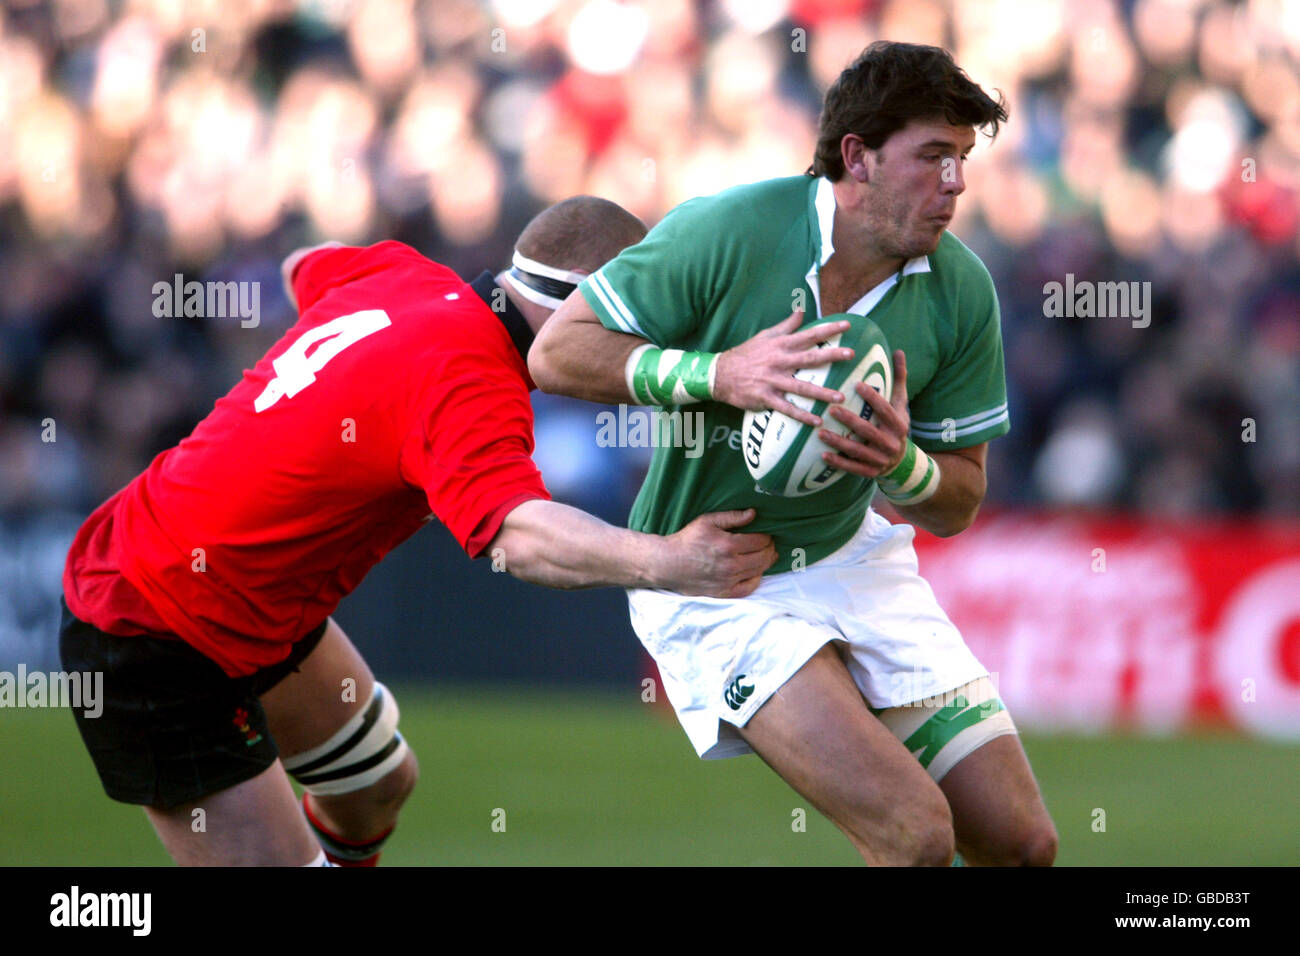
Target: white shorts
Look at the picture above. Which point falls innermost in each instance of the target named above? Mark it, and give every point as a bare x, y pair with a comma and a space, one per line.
720, 660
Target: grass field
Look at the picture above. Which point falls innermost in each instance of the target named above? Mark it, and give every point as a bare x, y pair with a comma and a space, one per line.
585, 778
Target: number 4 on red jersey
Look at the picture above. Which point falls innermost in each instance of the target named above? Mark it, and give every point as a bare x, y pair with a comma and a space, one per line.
295, 369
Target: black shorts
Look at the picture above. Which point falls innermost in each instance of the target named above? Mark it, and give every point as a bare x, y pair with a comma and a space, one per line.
175, 727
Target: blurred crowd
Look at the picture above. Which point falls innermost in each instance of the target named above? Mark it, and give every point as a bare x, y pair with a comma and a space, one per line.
1150, 141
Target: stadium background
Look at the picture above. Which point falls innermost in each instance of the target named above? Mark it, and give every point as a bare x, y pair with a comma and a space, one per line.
1156, 141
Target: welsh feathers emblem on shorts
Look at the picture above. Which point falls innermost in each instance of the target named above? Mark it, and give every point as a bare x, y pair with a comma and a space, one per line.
737, 692
241, 723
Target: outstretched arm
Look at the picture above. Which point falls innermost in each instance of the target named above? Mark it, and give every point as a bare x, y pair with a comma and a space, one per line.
548, 543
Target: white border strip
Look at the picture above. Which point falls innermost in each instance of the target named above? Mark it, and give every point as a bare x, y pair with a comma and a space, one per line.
617, 308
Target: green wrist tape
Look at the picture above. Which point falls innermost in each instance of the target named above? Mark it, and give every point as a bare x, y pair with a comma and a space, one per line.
914, 480
658, 376
904, 467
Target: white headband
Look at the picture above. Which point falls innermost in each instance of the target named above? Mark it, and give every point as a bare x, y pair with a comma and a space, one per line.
550, 272
532, 295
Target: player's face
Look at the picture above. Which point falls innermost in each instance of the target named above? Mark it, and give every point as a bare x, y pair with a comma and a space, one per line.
914, 184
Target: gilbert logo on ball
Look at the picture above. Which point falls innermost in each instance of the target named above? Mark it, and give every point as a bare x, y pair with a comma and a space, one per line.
785, 456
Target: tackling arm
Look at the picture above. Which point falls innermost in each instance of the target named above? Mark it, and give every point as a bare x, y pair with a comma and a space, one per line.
548, 543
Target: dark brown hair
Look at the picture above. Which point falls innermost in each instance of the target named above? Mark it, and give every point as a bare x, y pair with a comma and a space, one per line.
890, 84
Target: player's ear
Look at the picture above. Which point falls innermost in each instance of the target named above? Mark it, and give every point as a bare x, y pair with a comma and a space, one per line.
856, 157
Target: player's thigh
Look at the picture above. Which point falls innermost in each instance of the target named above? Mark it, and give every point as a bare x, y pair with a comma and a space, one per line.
998, 811
311, 704
818, 734
254, 823
337, 732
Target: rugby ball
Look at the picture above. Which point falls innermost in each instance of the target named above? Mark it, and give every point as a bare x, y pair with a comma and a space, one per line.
785, 456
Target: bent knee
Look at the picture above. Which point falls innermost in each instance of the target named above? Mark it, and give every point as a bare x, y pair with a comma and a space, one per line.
933, 842
919, 836
1039, 846
394, 787
1032, 845
367, 755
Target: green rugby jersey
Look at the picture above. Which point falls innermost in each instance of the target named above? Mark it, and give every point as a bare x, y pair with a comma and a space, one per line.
719, 269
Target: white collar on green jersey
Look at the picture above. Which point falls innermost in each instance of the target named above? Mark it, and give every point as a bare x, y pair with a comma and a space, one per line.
824, 203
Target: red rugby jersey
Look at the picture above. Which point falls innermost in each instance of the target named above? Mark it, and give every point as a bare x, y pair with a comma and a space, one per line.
399, 391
